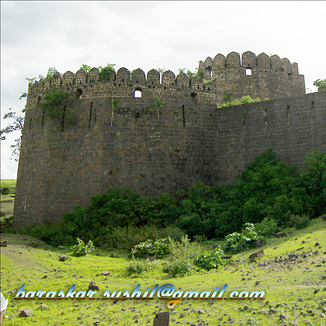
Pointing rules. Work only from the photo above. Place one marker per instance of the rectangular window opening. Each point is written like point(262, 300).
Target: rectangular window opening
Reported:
point(248, 71)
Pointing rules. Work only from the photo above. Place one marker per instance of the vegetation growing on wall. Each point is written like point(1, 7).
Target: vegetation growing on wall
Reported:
point(243, 100)
point(53, 103)
point(158, 105)
point(320, 84)
point(105, 72)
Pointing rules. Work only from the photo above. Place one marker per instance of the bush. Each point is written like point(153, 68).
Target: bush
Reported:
point(184, 249)
point(179, 267)
point(129, 236)
point(81, 249)
point(138, 267)
point(5, 190)
point(237, 242)
point(267, 227)
point(158, 248)
point(210, 260)
point(299, 221)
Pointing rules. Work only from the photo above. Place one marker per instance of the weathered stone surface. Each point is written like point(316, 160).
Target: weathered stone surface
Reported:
point(189, 141)
point(162, 319)
point(105, 273)
point(93, 286)
point(63, 257)
point(26, 313)
point(257, 254)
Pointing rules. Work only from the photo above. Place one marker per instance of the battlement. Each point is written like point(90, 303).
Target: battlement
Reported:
point(248, 64)
point(122, 83)
point(217, 79)
point(258, 76)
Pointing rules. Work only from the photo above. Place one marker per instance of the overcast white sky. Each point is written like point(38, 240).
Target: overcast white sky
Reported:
point(37, 35)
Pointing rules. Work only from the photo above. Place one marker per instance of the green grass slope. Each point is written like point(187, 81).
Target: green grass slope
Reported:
point(292, 273)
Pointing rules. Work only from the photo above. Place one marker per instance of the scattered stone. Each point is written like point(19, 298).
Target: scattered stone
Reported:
point(246, 307)
point(61, 248)
point(291, 256)
point(201, 311)
point(20, 252)
point(303, 241)
point(257, 254)
point(93, 286)
point(215, 246)
point(280, 234)
point(45, 276)
point(26, 313)
point(151, 258)
point(96, 322)
point(63, 258)
point(105, 273)
point(317, 244)
point(162, 319)
point(3, 243)
point(44, 306)
point(257, 283)
point(272, 311)
point(316, 290)
point(294, 323)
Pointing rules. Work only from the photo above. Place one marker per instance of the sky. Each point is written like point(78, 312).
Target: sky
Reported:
point(37, 35)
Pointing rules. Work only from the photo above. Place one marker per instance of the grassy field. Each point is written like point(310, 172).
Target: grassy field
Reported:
point(7, 200)
point(294, 288)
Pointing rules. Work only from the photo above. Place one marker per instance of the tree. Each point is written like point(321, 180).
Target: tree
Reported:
point(17, 124)
point(320, 84)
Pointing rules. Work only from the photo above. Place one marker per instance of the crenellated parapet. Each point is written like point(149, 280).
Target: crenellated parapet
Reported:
point(248, 60)
point(230, 76)
point(258, 76)
point(123, 83)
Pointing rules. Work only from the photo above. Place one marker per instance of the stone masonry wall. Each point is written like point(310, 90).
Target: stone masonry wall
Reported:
point(134, 146)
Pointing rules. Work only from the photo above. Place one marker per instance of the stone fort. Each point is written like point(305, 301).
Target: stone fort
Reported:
point(122, 139)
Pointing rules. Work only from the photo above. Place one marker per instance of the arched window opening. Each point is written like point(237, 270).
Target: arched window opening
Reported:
point(137, 93)
point(194, 96)
point(79, 93)
point(208, 72)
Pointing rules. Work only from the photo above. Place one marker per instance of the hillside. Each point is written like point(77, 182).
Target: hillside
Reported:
point(292, 273)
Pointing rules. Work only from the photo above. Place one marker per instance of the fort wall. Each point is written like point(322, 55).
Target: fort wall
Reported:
point(133, 145)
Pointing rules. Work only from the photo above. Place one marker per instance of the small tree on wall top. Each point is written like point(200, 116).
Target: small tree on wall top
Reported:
point(320, 84)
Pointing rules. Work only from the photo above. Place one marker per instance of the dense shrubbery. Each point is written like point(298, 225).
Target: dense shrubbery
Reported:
point(268, 193)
